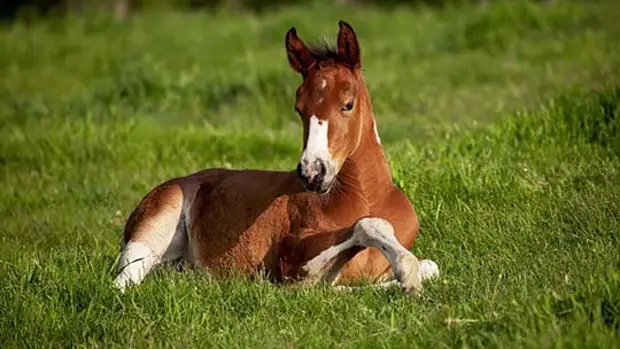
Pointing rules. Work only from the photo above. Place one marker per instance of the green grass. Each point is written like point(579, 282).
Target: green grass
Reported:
point(501, 126)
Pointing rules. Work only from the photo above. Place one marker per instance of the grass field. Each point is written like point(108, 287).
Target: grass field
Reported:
point(501, 126)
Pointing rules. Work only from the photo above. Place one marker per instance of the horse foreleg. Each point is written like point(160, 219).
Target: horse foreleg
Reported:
point(371, 232)
point(326, 266)
point(406, 268)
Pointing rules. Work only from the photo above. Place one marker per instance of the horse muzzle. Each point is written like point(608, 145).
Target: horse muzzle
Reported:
point(316, 176)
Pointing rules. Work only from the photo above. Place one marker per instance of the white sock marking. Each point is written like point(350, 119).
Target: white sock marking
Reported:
point(135, 261)
point(316, 266)
point(379, 233)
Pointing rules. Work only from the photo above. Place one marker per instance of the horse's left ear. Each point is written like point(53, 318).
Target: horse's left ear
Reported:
point(348, 48)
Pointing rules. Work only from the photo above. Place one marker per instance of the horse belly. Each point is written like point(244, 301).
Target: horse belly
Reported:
point(236, 235)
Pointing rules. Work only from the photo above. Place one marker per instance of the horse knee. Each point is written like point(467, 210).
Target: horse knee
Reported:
point(370, 229)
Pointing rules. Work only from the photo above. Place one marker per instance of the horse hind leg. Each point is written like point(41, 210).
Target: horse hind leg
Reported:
point(154, 233)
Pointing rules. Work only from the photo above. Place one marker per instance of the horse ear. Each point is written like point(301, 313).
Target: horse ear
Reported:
point(348, 48)
point(299, 56)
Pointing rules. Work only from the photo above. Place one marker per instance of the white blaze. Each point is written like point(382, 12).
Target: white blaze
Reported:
point(316, 146)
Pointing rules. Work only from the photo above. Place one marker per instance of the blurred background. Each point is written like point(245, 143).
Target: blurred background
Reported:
point(123, 8)
point(430, 65)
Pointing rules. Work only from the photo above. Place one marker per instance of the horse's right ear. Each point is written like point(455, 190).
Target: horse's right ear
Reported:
point(299, 56)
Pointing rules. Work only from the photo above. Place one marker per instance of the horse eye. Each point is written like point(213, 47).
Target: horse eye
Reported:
point(347, 107)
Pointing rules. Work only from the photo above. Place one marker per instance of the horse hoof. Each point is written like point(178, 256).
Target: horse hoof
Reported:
point(428, 270)
point(409, 274)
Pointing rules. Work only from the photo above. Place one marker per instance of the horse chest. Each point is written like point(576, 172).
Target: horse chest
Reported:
point(309, 213)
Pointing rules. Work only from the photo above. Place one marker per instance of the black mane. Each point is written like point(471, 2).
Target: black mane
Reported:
point(326, 53)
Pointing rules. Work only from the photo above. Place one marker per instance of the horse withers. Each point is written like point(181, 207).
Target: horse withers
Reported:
point(336, 219)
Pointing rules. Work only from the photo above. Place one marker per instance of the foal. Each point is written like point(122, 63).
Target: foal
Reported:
point(337, 219)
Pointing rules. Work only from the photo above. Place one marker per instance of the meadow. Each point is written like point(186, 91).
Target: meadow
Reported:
point(501, 125)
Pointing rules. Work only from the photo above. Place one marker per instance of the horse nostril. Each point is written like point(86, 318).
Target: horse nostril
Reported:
point(299, 173)
point(321, 170)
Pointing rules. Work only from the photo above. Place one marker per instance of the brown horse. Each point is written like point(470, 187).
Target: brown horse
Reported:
point(337, 218)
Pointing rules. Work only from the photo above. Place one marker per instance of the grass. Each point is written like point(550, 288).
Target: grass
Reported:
point(501, 125)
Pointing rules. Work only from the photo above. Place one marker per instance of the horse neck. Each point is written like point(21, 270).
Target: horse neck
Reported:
point(366, 171)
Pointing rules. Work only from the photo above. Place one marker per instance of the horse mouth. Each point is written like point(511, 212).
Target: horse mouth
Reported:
point(325, 190)
point(320, 189)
